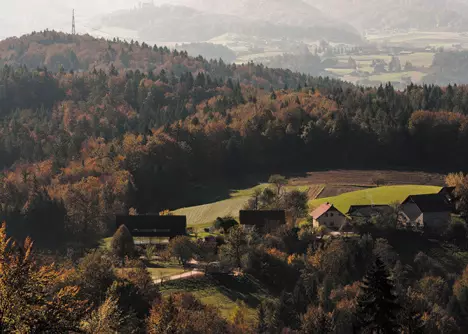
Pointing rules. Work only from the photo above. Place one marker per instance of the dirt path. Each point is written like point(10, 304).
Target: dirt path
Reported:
point(188, 274)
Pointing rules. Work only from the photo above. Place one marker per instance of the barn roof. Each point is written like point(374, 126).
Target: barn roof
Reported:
point(429, 203)
point(261, 217)
point(447, 190)
point(322, 209)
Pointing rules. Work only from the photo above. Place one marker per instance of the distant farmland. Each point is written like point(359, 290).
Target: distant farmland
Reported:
point(324, 185)
point(375, 196)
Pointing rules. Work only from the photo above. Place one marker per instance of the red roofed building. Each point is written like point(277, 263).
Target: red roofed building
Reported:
point(329, 216)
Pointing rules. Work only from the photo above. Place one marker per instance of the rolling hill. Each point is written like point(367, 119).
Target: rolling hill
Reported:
point(199, 21)
point(56, 51)
point(403, 14)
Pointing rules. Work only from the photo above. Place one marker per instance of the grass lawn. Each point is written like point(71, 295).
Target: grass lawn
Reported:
point(417, 58)
point(222, 292)
point(202, 216)
point(420, 38)
point(340, 71)
point(380, 195)
point(397, 76)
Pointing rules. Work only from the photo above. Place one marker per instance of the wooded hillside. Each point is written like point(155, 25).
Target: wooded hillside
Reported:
point(82, 147)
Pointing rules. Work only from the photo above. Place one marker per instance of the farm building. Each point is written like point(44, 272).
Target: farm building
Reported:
point(369, 211)
point(431, 211)
point(265, 221)
point(329, 216)
point(153, 226)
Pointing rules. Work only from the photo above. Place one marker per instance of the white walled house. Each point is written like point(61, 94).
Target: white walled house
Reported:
point(425, 212)
point(329, 216)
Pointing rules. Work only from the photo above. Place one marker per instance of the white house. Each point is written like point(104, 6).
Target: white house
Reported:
point(426, 211)
point(329, 216)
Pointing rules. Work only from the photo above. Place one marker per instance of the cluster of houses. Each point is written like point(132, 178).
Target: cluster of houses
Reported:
point(428, 211)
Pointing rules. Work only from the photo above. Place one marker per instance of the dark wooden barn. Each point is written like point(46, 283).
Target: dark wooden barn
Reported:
point(153, 226)
point(264, 221)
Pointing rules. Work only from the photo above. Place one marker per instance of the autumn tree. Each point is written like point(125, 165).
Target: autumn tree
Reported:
point(136, 292)
point(106, 319)
point(182, 313)
point(35, 298)
point(235, 247)
point(150, 252)
point(94, 275)
point(225, 223)
point(239, 320)
point(460, 298)
point(279, 182)
point(296, 204)
point(460, 182)
point(316, 321)
point(377, 304)
point(182, 248)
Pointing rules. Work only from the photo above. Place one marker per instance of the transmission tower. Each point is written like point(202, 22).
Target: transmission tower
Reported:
point(73, 23)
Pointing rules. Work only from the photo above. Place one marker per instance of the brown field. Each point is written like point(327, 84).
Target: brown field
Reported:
point(337, 182)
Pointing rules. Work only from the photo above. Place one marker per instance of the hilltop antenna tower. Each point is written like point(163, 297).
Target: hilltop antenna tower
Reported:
point(73, 23)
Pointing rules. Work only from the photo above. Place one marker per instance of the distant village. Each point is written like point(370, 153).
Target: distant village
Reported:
point(430, 212)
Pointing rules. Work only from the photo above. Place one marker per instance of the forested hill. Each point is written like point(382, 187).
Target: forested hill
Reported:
point(63, 52)
point(78, 148)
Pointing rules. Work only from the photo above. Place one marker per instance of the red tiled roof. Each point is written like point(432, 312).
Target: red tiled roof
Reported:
point(317, 213)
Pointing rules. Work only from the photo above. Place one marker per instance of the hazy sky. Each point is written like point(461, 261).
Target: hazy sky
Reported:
point(18, 17)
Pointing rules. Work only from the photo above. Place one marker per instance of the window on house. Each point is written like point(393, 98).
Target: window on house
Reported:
point(331, 224)
point(331, 214)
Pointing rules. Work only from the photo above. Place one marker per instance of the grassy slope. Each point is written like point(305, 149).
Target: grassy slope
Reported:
point(381, 195)
point(222, 292)
point(204, 215)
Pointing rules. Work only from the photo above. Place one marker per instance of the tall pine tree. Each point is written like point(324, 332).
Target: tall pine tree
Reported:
point(377, 305)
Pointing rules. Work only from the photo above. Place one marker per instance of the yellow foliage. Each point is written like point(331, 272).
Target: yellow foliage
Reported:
point(33, 298)
point(165, 213)
point(277, 253)
point(454, 179)
point(293, 258)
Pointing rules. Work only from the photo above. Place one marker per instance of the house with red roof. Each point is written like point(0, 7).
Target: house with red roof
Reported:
point(329, 216)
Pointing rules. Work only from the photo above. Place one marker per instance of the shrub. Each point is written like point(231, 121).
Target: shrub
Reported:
point(122, 244)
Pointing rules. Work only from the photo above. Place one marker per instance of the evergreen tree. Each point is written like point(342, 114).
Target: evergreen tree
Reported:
point(122, 243)
point(377, 305)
